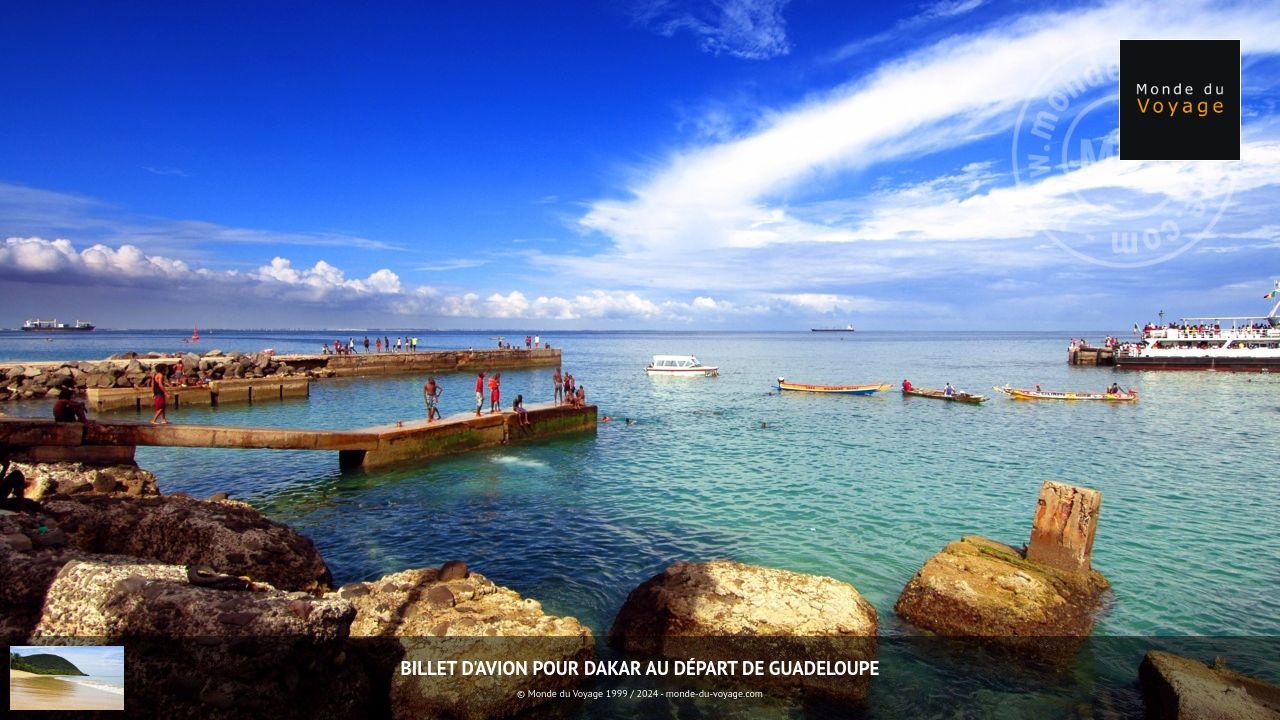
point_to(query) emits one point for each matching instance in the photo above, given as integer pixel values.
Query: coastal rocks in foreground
(70, 478)
(32, 551)
(980, 588)
(1179, 688)
(450, 613)
(228, 536)
(196, 651)
(728, 610)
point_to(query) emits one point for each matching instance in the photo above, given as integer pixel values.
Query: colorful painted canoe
(1024, 394)
(960, 397)
(837, 389)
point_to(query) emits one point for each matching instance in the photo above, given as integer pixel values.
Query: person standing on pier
(536, 341)
(559, 389)
(431, 393)
(377, 345)
(494, 394)
(159, 395)
(366, 344)
(479, 392)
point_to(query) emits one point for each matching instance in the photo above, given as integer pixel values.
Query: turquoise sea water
(863, 489)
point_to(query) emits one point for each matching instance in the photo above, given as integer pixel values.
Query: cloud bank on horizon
(894, 193)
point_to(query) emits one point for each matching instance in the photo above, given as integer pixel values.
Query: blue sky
(92, 660)
(720, 164)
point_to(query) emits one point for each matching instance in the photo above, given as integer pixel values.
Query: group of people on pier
(566, 392)
(379, 345)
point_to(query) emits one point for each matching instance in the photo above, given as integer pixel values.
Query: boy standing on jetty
(494, 405)
(431, 393)
(555, 382)
(479, 392)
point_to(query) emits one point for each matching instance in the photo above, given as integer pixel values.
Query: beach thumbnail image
(43, 677)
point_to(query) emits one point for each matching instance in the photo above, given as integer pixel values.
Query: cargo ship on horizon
(44, 326)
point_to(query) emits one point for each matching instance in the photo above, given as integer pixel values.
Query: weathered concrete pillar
(1066, 519)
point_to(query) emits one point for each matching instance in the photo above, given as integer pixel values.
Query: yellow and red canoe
(1025, 394)
(836, 389)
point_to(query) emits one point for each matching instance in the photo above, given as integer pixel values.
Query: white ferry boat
(1248, 344)
(680, 366)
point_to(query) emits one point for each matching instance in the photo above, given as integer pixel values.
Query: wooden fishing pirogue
(1025, 394)
(837, 389)
(957, 396)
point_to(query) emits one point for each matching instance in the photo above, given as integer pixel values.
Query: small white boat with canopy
(680, 366)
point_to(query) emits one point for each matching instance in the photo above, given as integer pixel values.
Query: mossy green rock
(978, 587)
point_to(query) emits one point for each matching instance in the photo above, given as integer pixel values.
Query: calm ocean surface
(863, 489)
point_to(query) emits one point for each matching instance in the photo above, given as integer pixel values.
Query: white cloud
(57, 261)
(750, 29)
(723, 216)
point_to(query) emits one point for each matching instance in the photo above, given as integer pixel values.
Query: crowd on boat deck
(1202, 330)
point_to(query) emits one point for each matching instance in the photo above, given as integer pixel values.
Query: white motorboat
(680, 366)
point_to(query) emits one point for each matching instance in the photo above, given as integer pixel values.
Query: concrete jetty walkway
(40, 440)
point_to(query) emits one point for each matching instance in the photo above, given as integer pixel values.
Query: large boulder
(728, 610)
(199, 652)
(45, 479)
(1179, 688)
(230, 537)
(977, 587)
(433, 615)
(32, 551)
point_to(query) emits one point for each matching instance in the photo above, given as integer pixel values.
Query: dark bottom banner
(576, 677)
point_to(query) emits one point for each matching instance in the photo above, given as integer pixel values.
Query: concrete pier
(1088, 355)
(39, 440)
(435, 361)
(218, 392)
(39, 379)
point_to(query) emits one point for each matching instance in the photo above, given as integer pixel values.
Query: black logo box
(1160, 77)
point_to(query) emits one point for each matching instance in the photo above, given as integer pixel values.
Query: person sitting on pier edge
(948, 391)
(479, 391)
(495, 405)
(906, 386)
(522, 415)
(431, 393)
(580, 399)
(67, 409)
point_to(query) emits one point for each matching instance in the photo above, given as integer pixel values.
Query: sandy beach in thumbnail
(28, 691)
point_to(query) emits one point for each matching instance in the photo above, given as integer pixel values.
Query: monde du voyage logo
(1178, 102)
(1180, 99)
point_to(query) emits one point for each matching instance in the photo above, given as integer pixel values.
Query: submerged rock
(230, 537)
(463, 618)
(728, 610)
(1039, 601)
(978, 587)
(1179, 688)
